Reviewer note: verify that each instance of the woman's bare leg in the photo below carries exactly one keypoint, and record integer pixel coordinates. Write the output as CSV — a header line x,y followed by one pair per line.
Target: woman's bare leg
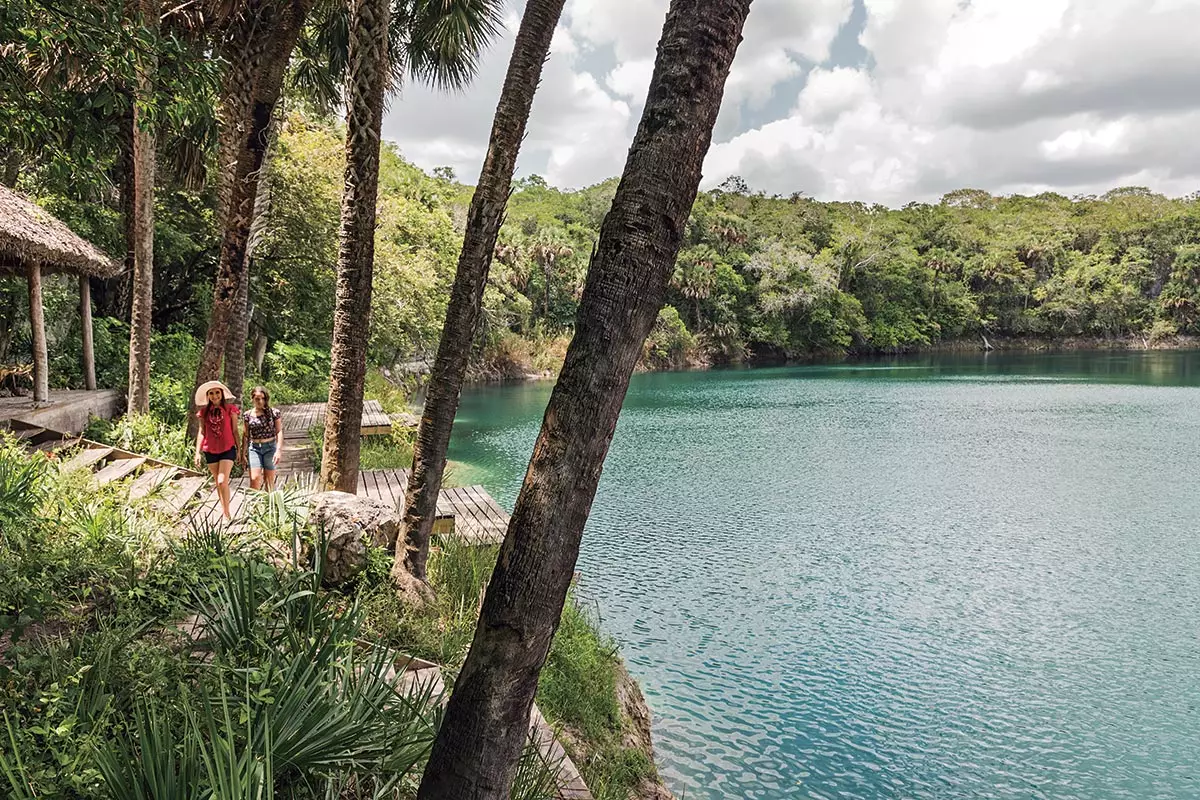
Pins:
x,y
223,486
269,475
256,478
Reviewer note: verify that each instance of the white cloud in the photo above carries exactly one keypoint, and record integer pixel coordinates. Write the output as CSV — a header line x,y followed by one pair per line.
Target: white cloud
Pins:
x,y
631,79
1006,95
831,92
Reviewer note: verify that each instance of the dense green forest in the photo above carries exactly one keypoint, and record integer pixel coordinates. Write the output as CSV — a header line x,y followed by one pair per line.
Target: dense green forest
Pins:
x,y
759,277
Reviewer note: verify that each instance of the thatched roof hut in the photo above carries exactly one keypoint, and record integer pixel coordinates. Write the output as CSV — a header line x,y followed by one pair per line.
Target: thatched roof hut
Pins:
x,y
33,242
30,235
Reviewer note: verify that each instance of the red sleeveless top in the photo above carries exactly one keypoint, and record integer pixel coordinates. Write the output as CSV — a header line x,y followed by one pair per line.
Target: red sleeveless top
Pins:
x,y
218,428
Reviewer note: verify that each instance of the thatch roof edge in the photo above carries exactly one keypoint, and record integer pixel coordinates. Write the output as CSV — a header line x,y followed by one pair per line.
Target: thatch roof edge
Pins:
x,y
31,235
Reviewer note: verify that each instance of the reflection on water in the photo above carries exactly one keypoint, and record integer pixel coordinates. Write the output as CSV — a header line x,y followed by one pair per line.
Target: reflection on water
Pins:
x,y
952,576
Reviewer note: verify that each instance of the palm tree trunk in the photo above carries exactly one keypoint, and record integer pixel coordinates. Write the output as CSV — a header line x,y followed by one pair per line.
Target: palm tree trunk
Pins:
x,y
140,235
484,219
12,168
356,253
478,746
235,345
258,51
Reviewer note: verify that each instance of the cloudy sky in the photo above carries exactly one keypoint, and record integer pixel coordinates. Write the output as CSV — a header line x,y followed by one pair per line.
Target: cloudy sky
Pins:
x,y
877,100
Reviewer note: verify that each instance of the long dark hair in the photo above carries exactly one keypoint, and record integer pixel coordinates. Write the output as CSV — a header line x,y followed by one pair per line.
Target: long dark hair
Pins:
x,y
209,408
266,398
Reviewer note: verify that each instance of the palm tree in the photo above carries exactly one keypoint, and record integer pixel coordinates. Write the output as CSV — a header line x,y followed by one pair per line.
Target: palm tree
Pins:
x,y
356,256
476,750
695,277
139,226
484,219
257,41
235,344
441,42
546,247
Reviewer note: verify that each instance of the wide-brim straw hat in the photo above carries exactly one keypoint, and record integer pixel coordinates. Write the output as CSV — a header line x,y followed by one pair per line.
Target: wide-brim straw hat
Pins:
x,y
202,392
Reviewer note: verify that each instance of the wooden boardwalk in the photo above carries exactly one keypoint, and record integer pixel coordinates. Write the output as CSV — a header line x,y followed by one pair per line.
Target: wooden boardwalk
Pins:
x,y
477,517
301,418
66,410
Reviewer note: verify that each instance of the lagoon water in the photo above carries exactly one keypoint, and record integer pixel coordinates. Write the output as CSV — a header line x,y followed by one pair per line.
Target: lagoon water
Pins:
x,y
947,577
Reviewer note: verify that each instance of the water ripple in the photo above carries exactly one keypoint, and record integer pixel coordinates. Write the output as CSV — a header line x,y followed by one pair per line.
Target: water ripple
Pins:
x,y
849,583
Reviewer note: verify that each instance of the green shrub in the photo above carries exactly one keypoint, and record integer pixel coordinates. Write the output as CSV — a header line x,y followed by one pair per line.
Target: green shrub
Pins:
x,y
297,374
146,434
175,357
669,345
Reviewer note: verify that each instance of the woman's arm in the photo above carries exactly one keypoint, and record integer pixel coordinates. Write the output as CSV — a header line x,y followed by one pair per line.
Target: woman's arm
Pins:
x,y
244,452
278,438
199,441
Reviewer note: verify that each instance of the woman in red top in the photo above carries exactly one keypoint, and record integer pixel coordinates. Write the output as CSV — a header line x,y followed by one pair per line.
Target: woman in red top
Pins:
x,y
217,439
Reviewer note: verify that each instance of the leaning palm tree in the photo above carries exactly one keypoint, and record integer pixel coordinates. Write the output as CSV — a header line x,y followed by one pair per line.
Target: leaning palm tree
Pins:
x,y
443,41
466,297
256,38
476,750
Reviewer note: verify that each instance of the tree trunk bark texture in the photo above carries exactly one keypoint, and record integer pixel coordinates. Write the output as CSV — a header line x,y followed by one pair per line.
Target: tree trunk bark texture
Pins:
x,y
477,748
356,252
12,168
37,325
258,50
140,235
484,219
85,325
235,345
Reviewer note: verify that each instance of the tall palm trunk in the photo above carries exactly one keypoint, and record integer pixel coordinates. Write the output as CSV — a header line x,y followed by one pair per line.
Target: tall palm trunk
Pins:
x,y
258,50
484,218
477,748
12,168
139,226
239,331
356,253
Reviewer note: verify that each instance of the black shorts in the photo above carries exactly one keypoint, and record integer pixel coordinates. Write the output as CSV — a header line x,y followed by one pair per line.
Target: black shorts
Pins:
x,y
228,455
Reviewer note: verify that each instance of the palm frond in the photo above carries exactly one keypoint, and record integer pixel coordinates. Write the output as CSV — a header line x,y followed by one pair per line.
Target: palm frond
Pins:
x,y
441,41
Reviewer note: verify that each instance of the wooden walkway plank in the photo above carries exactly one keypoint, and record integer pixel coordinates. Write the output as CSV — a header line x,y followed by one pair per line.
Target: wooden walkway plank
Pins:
x,y
179,493
120,468
88,458
150,480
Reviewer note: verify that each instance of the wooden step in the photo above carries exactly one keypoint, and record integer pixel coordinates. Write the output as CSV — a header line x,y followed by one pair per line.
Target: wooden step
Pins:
x,y
55,444
150,480
28,434
179,493
88,458
120,468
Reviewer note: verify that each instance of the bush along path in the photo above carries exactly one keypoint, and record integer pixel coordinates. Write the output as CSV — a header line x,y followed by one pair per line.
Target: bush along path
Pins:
x,y
185,499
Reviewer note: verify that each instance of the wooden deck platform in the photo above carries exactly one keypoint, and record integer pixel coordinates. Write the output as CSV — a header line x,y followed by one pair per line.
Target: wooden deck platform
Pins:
x,y
303,416
478,518
300,418
68,410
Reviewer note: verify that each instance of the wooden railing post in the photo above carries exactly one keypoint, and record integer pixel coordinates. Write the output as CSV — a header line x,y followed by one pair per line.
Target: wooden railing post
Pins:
x,y
37,321
85,318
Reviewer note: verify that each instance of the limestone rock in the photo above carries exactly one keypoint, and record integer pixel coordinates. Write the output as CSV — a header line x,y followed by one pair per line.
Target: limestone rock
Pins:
x,y
351,524
637,732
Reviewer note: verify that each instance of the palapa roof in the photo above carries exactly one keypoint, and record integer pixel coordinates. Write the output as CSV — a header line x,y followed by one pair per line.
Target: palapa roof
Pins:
x,y
31,235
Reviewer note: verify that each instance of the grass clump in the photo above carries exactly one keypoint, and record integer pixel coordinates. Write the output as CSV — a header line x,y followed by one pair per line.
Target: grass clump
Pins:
x,y
578,691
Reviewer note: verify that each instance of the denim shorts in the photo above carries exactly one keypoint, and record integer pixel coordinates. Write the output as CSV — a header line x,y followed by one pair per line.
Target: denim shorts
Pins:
x,y
262,455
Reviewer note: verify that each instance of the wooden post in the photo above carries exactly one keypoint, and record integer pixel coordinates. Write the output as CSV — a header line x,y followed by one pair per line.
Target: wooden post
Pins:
x,y
37,321
85,318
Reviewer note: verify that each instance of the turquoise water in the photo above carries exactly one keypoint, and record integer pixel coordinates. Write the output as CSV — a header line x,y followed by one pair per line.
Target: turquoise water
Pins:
x,y
940,578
